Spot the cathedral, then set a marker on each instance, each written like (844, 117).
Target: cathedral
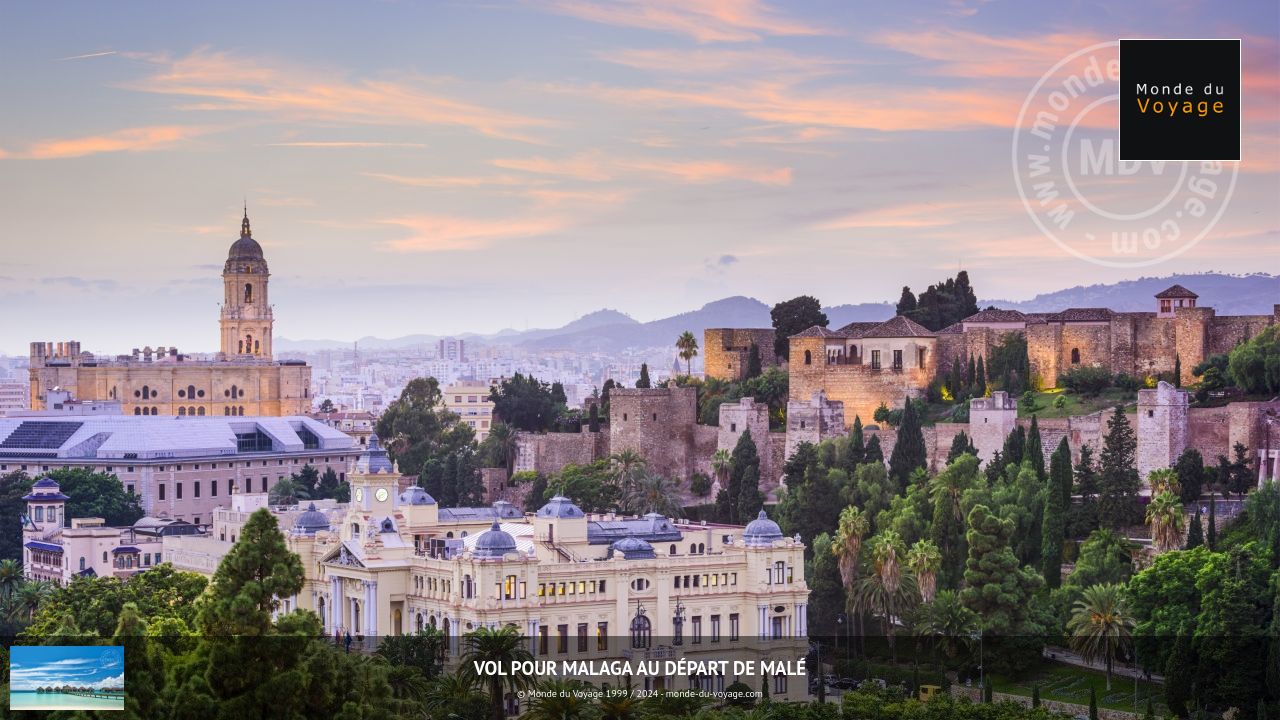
(241, 379)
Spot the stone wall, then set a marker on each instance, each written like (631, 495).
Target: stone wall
(861, 388)
(725, 351)
(737, 418)
(813, 421)
(548, 453)
(990, 422)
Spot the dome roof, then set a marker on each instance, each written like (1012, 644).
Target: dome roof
(633, 548)
(46, 482)
(416, 496)
(311, 521)
(374, 459)
(762, 531)
(560, 507)
(494, 543)
(246, 248)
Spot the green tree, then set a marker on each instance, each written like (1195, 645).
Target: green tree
(906, 302)
(1190, 469)
(417, 428)
(924, 559)
(644, 381)
(1118, 481)
(96, 494)
(999, 590)
(793, 316)
(960, 444)
(525, 403)
(593, 423)
(504, 646)
(874, 454)
(687, 344)
(1195, 532)
(1211, 537)
(1009, 366)
(1105, 557)
(326, 406)
(1254, 365)
(1056, 502)
(1100, 626)
(1167, 521)
(909, 452)
(744, 457)
(941, 304)
(947, 490)
(287, 492)
(1034, 452)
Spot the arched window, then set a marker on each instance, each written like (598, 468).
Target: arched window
(702, 548)
(641, 632)
(146, 392)
(137, 411)
(104, 556)
(808, 358)
(248, 342)
(182, 411)
(468, 587)
(1075, 356)
(39, 513)
(191, 391)
(257, 347)
(200, 411)
(419, 623)
(248, 292)
(673, 550)
(82, 563)
(191, 411)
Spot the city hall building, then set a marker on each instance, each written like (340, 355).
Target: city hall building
(578, 586)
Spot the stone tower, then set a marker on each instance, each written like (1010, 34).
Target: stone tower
(991, 419)
(246, 309)
(1162, 428)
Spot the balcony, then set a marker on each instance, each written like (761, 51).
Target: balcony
(661, 652)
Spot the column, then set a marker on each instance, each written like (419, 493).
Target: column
(1263, 463)
(335, 604)
(453, 636)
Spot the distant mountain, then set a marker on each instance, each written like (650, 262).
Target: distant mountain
(611, 330)
(1228, 294)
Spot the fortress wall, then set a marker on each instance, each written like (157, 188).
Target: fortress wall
(725, 351)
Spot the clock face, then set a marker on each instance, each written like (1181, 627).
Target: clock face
(381, 494)
(359, 494)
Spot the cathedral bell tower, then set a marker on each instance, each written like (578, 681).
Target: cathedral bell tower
(246, 310)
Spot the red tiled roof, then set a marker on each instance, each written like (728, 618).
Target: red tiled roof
(1176, 291)
(992, 315)
(1082, 315)
(899, 327)
(856, 329)
(817, 331)
(952, 329)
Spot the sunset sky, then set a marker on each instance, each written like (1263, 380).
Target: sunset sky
(453, 167)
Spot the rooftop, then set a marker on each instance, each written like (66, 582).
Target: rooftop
(1175, 291)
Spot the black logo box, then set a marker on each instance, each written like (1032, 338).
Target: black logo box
(1187, 68)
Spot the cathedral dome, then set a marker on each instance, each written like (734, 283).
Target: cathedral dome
(246, 249)
(761, 532)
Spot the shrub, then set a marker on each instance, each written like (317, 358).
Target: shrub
(1128, 382)
(1088, 380)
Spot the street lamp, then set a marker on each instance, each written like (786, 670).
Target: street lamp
(678, 623)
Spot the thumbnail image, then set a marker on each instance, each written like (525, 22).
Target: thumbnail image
(76, 677)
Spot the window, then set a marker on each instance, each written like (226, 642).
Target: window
(562, 639)
(715, 628)
(1075, 356)
(697, 629)
(161, 491)
(641, 632)
(875, 359)
(213, 488)
(178, 490)
(39, 513)
(733, 427)
(779, 684)
(897, 359)
(602, 636)
(733, 627)
(542, 639)
(582, 637)
(808, 358)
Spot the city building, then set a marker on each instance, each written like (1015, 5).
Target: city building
(181, 468)
(451, 348)
(13, 396)
(469, 399)
(356, 423)
(578, 586)
(241, 379)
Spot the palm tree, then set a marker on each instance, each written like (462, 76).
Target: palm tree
(622, 707)
(503, 437)
(449, 691)
(10, 577)
(1164, 479)
(924, 559)
(848, 542)
(688, 346)
(948, 621)
(652, 493)
(1100, 625)
(626, 465)
(888, 591)
(1167, 520)
(504, 646)
(28, 598)
(721, 463)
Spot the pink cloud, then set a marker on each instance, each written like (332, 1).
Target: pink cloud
(594, 166)
(454, 181)
(221, 81)
(703, 20)
(440, 233)
(140, 139)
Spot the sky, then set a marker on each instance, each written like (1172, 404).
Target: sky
(36, 666)
(450, 167)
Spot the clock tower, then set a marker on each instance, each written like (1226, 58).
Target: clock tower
(374, 482)
(246, 311)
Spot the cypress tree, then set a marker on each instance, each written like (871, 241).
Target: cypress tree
(744, 456)
(994, 469)
(1035, 696)
(1211, 537)
(909, 451)
(1093, 704)
(1177, 371)
(957, 383)
(1034, 450)
(1015, 447)
(971, 374)
(1195, 533)
(1118, 481)
(754, 365)
(751, 501)
(986, 691)
(980, 378)
(960, 445)
(593, 418)
(857, 447)
(874, 453)
(1055, 515)
(643, 382)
